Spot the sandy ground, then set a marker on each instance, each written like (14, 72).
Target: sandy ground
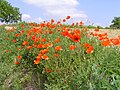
(112, 33)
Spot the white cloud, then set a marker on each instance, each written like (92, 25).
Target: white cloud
(26, 16)
(59, 8)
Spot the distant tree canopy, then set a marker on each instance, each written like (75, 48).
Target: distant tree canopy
(115, 23)
(8, 13)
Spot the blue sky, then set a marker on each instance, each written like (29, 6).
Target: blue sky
(99, 12)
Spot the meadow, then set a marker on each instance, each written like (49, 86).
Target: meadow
(54, 56)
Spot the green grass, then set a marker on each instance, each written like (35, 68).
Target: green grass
(77, 70)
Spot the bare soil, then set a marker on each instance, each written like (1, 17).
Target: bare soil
(112, 33)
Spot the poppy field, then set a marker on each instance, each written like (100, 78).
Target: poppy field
(55, 56)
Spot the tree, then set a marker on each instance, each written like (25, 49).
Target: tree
(8, 13)
(115, 23)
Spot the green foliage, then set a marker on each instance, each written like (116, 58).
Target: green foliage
(73, 70)
(91, 26)
(8, 13)
(115, 23)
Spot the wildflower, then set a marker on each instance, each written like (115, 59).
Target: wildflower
(6, 51)
(43, 40)
(17, 63)
(36, 61)
(52, 20)
(18, 48)
(90, 50)
(87, 45)
(68, 17)
(64, 20)
(57, 40)
(76, 38)
(81, 23)
(58, 48)
(29, 47)
(19, 57)
(73, 24)
(49, 44)
(7, 38)
(14, 40)
(16, 35)
(48, 70)
(56, 55)
(39, 45)
(106, 43)
(44, 51)
(76, 31)
(25, 43)
(72, 47)
(115, 41)
(45, 57)
(39, 57)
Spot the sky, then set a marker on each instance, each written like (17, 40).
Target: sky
(96, 12)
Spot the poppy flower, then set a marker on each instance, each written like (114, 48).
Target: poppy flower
(87, 45)
(68, 17)
(43, 40)
(56, 55)
(44, 51)
(72, 47)
(6, 51)
(29, 47)
(81, 23)
(115, 41)
(36, 62)
(25, 43)
(19, 57)
(57, 40)
(64, 20)
(76, 38)
(39, 45)
(52, 20)
(48, 70)
(73, 24)
(58, 48)
(45, 57)
(90, 50)
(49, 44)
(106, 43)
(17, 35)
(14, 40)
(17, 63)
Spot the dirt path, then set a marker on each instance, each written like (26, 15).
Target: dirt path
(112, 33)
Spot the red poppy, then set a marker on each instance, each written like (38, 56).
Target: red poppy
(76, 38)
(17, 63)
(45, 57)
(57, 40)
(106, 43)
(58, 48)
(29, 47)
(81, 23)
(64, 20)
(6, 51)
(19, 57)
(90, 50)
(72, 47)
(14, 40)
(56, 55)
(36, 61)
(68, 17)
(43, 40)
(25, 43)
